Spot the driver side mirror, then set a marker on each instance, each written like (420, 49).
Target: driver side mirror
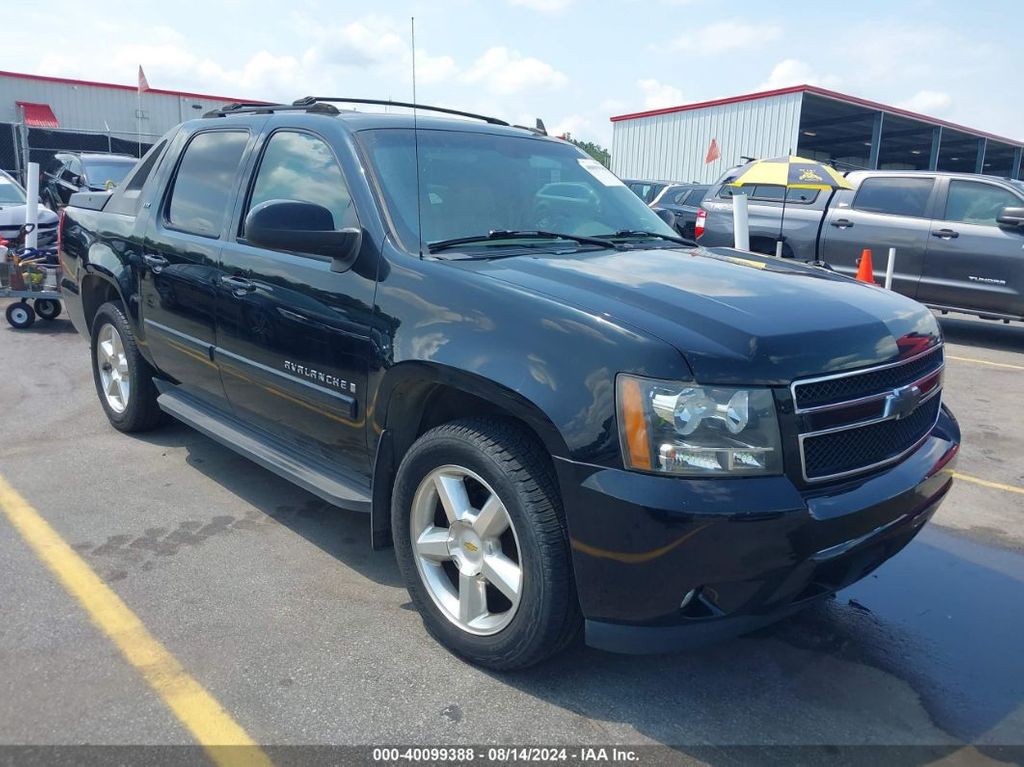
(1011, 218)
(302, 227)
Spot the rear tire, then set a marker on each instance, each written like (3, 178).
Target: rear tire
(494, 583)
(20, 315)
(124, 380)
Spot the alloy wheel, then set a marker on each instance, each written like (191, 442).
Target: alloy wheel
(113, 368)
(466, 550)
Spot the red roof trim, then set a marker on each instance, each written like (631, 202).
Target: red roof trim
(824, 93)
(38, 115)
(116, 86)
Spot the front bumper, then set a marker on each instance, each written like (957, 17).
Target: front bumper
(740, 552)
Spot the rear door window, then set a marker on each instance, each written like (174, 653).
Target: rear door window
(972, 202)
(895, 196)
(695, 197)
(206, 181)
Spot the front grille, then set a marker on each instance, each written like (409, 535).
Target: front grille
(857, 449)
(860, 421)
(827, 391)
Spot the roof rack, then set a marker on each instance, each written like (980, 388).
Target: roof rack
(325, 105)
(310, 101)
(255, 107)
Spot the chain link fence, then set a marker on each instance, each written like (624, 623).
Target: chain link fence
(20, 145)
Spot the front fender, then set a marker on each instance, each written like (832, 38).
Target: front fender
(549, 363)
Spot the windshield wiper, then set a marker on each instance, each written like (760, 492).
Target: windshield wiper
(513, 234)
(624, 234)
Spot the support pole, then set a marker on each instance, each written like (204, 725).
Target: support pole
(32, 204)
(890, 267)
(876, 141)
(933, 158)
(740, 222)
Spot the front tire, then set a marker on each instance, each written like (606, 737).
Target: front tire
(480, 541)
(124, 380)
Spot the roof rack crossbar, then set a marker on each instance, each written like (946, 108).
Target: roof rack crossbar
(310, 100)
(255, 107)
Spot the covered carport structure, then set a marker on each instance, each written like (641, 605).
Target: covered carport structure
(847, 131)
(865, 134)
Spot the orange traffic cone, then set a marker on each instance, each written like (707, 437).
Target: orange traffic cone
(865, 271)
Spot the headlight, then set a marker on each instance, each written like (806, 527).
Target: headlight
(681, 428)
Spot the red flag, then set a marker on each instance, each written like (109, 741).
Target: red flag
(713, 153)
(143, 82)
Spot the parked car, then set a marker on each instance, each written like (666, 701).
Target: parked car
(565, 418)
(71, 172)
(959, 237)
(678, 206)
(12, 213)
(647, 190)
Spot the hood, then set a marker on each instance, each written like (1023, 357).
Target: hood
(13, 214)
(737, 318)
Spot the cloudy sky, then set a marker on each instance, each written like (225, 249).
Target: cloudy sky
(572, 62)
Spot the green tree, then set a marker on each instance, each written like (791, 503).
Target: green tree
(595, 150)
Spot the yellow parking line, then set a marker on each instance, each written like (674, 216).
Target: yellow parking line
(985, 362)
(195, 708)
(988, 483)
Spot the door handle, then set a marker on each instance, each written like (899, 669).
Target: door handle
(946, 234)
(842, 223)
(156, 263)
(239, 285)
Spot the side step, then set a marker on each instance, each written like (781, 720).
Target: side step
(334, 487)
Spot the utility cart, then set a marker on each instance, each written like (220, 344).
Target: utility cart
(31, 275)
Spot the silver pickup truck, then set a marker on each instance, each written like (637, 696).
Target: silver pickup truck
(959, 237)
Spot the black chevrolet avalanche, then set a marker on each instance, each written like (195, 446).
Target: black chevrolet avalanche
(567, 420)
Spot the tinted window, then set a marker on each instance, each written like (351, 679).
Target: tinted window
(100, 172)
(975, 203)
(769, 193)
(298, 166)
(694, 198)
(896, 196)
(205, 182)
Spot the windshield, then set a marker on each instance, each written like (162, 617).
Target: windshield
(99, 172)
(10, 193)
(473, 183)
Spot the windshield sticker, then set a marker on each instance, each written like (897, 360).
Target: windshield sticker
(598, 171)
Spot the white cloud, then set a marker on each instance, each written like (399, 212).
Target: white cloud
(434, 69)
(505, 71)
(657, 94)
(726, 36)
(928, 102)
(571, 124)
(790, 72)
(545, 6)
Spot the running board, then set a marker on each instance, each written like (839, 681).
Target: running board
(285, 461)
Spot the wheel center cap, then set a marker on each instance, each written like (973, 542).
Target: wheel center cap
(466, 548)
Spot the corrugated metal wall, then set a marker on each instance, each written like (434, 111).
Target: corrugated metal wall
(673, 146)
(95, 108)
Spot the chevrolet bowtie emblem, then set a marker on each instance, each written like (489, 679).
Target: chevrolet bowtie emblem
(902, 402)
(470, 547)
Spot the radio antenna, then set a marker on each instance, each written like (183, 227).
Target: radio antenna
(416, 139)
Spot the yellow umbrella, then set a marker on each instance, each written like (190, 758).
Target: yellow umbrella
(792, 173)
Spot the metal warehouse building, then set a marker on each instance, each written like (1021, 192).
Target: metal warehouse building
(40, 115)
(673, 143)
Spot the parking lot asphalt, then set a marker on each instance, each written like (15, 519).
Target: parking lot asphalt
(275, 604)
